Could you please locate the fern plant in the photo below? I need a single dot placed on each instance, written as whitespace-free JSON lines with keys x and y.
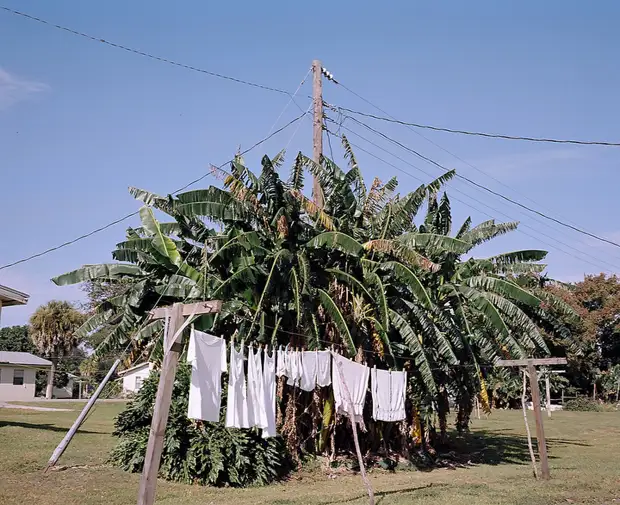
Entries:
{"x":196,"y":453}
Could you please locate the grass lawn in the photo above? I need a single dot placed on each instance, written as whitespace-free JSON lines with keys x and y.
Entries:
{"x":584,"y":451}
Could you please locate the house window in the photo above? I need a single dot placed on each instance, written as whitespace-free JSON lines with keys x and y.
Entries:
{"x":18,"y":377}
{"x":139,"y":381}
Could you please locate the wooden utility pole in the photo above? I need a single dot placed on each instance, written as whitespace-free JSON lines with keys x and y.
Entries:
{"x":317,"y":128}
{"x":540,"y":431}
{"x":172,"y":349}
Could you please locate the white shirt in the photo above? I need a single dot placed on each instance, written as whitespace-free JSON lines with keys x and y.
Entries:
{"x":207,"y":354}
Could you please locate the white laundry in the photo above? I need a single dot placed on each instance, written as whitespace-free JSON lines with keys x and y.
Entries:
{"x":269,"y":391}
{"x":308,"y":370}
{"x":323,"y":368}
{"x":355,"y":377}
{"x":294,"y":367}
{"x":207,"y":354}
{"x":281,"y":369}
{"x":388,"y":394}
{"x":237,"y":403}
{"x":257,"y":416}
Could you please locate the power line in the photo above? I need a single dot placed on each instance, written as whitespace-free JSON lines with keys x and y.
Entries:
{"x":393,"y":119}
{"x":65,"y":244}
{"x":481,"y":186}
{"x":478,"y":134}
{"x":614,"y":267}
{"x":553,"y":246}
{"x":145,"y":54}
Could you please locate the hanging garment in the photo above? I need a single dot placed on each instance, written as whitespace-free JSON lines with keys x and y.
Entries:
{"x":294,"y":368}
{"x":269,"y":390}
{"x":388,"y":394}
{"x":308,"y":370}
{"x":207,"y":354}
{"x":323,"y":368}
{"x":355,"y":377}
{"x":257,"y":416}
{"x":237,"y":402}
{"x":281,"y":369}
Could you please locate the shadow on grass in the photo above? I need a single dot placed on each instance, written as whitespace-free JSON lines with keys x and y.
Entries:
{"x":47,"y":427}
{"x":493,"y":447}
{"x":380,"y":495}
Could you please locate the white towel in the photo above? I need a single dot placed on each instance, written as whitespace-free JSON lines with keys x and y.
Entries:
{"x":257,"y":415}
{"x":323,"y":368}
{"x":237,"y":402}
{"x":207,"y":354}
{"x":269,"y":390}
{"x":355,"y":377}
{"x":308,"y":370}
{"x":293,"y":367}
{"x":282,"y":363}
{"x":388,"y":395}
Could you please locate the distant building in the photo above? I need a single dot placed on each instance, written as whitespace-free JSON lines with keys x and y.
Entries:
{"x":134,"y":377}
{"x":18,"y":372}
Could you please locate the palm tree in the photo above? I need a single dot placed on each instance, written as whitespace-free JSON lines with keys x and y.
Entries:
{"x":53,"y":331}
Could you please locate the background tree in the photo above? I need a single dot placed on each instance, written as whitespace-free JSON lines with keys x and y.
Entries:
{"x":15,"y":338}
{"x":591,"y":342}
{"x":52,"y":330}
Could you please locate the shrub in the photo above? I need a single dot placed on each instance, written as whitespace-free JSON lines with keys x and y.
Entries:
{"x":202,"y":453}
{"x":583,"y":404}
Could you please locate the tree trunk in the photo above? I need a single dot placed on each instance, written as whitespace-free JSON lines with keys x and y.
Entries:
{"x":465,"y":408}
{"x":443,"y":412}
{"x":49,"y":390}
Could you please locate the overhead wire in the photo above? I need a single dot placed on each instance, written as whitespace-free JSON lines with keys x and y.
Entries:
{"x":485,"y":188}
{"x":73,"y":241}
{"x":143,"y":53}
{"x":410,"y":127}
{"x":553,"y":246}
{"x":391,"y":119}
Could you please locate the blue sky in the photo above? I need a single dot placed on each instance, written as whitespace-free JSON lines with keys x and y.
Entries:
{"x":81,"y":121}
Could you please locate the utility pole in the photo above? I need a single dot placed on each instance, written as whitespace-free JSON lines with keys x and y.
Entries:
{"x":317,"y":128}
{"x":172,"y":349}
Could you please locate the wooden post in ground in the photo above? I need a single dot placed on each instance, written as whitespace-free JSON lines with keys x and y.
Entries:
{"x":317,"y":128}
{"x":540,"y":431}
{"x":527,"y":427}
{"x":172,"y":349}
{"x":548,"y":395}
{"x":80,"y":419}
{"x":360,"y":460}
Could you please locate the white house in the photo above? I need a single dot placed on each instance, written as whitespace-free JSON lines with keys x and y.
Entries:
{"x":134,"y":377}
{"x":18,"y":371}
{"x":10,"y":297}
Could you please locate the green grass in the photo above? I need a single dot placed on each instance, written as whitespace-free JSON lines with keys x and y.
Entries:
{"x":584,"y":450}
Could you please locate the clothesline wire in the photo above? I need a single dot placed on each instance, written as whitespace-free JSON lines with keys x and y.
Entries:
{"x":367,"y":351}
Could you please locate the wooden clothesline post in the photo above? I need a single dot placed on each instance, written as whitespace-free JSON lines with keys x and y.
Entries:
{"x":172,"y":348}
{"x":531,"y":365}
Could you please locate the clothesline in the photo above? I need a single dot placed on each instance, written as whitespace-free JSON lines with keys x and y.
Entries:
{"x":251,"y":401}
{"x":368,"y":351}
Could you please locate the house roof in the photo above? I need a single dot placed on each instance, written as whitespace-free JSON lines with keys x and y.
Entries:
{"x":134,"y":368}
{"x":22,"y":358}
{"x":10,"y":296}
